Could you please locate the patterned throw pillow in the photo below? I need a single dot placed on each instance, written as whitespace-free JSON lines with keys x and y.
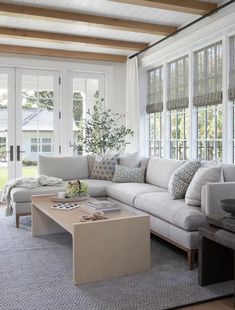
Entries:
{"x":181,"y":178}
{"x":128,"y":175}
{"x":104,"y":167}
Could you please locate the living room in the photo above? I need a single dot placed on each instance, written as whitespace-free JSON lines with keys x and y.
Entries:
{"x":117,"y":153}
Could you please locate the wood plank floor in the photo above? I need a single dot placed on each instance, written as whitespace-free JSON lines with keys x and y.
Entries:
{"x":219,"y":304}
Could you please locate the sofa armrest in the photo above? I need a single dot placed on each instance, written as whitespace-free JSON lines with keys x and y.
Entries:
{"x":212,"y":193}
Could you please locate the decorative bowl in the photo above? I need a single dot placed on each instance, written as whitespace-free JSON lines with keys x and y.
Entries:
{"x":228,"y":205}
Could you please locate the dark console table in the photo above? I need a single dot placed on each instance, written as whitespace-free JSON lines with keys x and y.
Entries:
{"x":216,"y":255}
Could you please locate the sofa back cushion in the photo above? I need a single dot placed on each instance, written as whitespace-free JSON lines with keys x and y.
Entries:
{"x":160,"y":170}
{"x":64,"y":167}
{"x":228,"y":172}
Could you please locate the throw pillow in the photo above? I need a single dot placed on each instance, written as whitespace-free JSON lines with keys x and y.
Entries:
{"x":130,"y":161}
{"x":181,"y":178}
{"x":104,"y":167}
{"x":128,"y":175}
{"x":204,"y":175}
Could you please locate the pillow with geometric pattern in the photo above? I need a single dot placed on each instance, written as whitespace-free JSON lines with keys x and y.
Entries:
{"x":129,"y":175}
{"x":181,"y":179}
{"x":104,"y":167}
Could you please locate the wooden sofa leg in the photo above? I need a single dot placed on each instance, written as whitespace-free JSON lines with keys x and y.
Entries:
{"x":191,"y":258}
{"x":17,"y":220}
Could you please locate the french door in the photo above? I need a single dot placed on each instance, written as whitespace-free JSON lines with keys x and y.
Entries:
{"x":84,"y":90}
{"x":29,"y":120}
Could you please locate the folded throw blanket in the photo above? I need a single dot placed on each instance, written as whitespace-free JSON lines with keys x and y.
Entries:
{"x":26,"y":182}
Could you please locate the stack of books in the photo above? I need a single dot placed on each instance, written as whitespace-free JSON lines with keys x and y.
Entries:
{"x":103,"y":206}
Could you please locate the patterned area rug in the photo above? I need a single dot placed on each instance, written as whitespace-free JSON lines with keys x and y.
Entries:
{"x":36,"y":273}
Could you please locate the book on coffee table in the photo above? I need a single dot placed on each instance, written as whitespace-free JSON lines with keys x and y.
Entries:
{"x":103,"y":206}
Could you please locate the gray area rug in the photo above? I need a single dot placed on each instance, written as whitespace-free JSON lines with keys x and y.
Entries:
{"x":36,"y":273}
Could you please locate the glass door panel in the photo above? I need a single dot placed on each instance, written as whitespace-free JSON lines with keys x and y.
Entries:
{"x":39,"y":119}
{"x":7,"y":126}
{"x":3,"y":129}
{"x":86,"y":90}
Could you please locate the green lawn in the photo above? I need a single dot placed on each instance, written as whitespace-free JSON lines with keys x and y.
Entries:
{"x":28,"y":171}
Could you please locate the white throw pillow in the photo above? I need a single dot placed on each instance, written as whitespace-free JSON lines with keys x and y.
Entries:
{"x":209,"y":172}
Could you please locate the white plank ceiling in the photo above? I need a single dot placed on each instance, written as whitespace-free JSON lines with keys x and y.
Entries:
{"x":96,"y":7}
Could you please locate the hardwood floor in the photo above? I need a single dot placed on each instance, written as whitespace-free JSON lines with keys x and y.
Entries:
{"x":219,"y":304}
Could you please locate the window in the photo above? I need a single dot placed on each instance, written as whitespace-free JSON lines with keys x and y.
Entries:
{"x":41,"y":144}
{"x":207,"y":99}
{"x":179,"y":134}
{"x":46,"y":145}
{"x":177,"y":105}
{"x":155,"y":134}
{"x":154,"y":109}
{"x":209,"y":133}
{"x":34,"y":145}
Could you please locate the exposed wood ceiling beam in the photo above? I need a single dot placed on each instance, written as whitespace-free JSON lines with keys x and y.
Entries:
{"x":186,"y":6}
{"x":59,"y":37}
{"x":101,"y":21}
{"x":16,"y":49}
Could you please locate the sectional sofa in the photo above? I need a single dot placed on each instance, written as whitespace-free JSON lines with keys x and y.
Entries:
{"x":170,"y":219}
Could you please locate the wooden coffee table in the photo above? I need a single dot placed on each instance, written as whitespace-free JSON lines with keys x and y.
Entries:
{"x":103,"y":249}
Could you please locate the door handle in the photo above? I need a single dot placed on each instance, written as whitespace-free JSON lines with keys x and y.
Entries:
{"x":11,"y":153}
{"x":18,"y":151}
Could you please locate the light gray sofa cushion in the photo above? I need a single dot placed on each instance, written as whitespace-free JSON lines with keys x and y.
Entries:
{"x":160,"y":170}
{"x":19,"y":194}
{"x":228,"y":172}
{"x":64,"y":167}
{"x":97,"y":188}
{"x":126,"y":192}
{"x":176,"y":212}
{"x":130,"y":161}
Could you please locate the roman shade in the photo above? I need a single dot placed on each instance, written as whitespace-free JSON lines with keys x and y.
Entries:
{"x":231,"y":89}
{"x":155,"y":91}
{"x":208,"y":75}
{"x":177,"y":87}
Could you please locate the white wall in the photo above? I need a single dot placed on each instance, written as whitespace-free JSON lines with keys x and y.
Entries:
{"x":212,"y":29}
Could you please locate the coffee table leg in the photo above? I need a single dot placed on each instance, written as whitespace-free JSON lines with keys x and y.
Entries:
{"x":112,"y":248}
{"x":42,"y":224}
{"x":216,"y":262}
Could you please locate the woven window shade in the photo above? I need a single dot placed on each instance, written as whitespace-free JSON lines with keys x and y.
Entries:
{"x":177,"y":88}
{"x":231,"y":89}
{"x":208,"y":76}
{"x":155,"y":91}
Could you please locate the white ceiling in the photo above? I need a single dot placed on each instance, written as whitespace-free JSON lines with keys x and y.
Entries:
{"x":97,"y":7}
